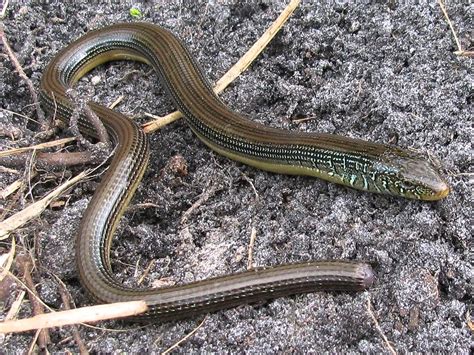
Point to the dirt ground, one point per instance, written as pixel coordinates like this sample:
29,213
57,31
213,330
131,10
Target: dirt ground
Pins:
384,72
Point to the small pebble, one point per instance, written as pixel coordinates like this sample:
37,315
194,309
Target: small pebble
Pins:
95,79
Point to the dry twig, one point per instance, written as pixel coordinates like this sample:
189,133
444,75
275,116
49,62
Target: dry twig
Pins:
209,192
19,184
7,260
146,272
253,236
38,310
44,160
35,209
25,78
460,50
15,307
116,102
65,297
5,170
379,329
75,316
57,142
175,345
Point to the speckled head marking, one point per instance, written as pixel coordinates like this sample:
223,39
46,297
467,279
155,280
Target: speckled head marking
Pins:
410,175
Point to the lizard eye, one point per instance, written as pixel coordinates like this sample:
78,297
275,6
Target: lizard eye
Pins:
407,185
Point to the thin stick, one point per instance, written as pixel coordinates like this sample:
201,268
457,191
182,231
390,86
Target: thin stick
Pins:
65,297
35,209
19,184
19,115
90,314
246,178
203,198
5,170
75,316
175,345
469,322
26,287
236,70
15,308
379,329
253,236
257,48
22,75
301,120
146,272
33,342
7,263
45,160
45,145
116,102
460,51
38,310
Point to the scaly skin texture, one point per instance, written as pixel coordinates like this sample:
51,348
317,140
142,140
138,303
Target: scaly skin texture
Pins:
355,163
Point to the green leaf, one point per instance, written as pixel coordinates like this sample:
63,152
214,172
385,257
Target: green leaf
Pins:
136,13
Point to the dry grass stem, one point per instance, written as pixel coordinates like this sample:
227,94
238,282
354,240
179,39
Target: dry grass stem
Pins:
253,236
75,316
470,324
175,345
14,186
66,297
15,307
7,260
208,193
25,264
239,67
19,115
146,272
35,209
21,73
18,185
5,170
460,51
45,145
379,329
116,102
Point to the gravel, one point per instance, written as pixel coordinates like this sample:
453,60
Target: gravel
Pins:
379,71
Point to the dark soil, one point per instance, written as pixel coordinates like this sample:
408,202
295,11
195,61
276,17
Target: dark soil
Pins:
384,72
